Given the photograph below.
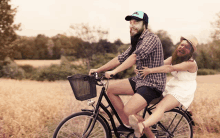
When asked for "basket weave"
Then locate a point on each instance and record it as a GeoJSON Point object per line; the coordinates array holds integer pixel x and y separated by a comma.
{"type": "Point", "coordinates": [83, 86]}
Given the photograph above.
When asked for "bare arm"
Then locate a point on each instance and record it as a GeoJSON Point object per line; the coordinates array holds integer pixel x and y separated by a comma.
{"type": "Point", "coordinates": [184, 66]}
{"type": "Point", "coordinates": [168, 61]}
{"type": "Point", "coordinates": [110, 65]}
{"type": "Point", "coordinates": [130, 61]}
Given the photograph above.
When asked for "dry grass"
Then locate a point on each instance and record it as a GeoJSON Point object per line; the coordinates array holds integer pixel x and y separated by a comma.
{"type": "Point", "coordinates": [206, 107]}
{"type": "Point", "coordinates": [31, 109]}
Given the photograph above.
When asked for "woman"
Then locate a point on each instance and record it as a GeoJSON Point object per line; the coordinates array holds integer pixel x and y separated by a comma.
{"type": "Point", "coordinates": [179, 90]}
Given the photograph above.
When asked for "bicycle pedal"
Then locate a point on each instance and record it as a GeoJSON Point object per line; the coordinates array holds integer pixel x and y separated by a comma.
{"type": "Point", "coordinates": [154, 131]}
{"type": "Point", "coordinates": [162, 134]}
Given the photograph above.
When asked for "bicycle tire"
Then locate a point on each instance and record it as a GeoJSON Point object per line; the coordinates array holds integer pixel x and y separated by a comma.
{"type": "Point", "coordinates": [176, 126]}
{"type": "Point", "coordinates": [74, 126]}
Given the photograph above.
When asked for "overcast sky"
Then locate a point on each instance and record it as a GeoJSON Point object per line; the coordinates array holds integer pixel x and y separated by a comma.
{"type": "Point", "coordinates": [177, 17]}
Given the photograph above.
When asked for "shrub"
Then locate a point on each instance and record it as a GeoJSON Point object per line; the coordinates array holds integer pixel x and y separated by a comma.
{"type": "Point", "coordinates": [29, 71]}
{"type": "Point", "coordinates": [206, 72]}
{"type": "Point", "coordinates": [11, 70]}
{"type": "Point", "coordinates": [54, 72]}
{"type": "Point", "coordinates": [27, 68]}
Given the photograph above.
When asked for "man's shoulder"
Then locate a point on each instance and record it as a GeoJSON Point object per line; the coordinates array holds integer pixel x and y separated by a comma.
{"type": "Point", "coordinates": [149, 34]}
{"type": "Point", "coordinates": [152, 36]}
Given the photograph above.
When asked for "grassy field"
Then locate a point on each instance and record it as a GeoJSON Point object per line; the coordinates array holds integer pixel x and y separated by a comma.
{"type": "Point", "coordinates": [31, 109]}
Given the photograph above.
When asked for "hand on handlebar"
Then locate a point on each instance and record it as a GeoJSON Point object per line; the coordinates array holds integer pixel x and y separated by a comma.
{"type": "Point", "coordinates": [93, 71]}
{"type": "Point", "coordinates": [109, 74]}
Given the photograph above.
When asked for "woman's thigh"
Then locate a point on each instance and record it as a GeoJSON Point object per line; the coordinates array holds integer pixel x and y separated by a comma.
{"type": "Point", "coordinates": [120, 87]}
{"type": "Point", "coordinates": [167, 103]}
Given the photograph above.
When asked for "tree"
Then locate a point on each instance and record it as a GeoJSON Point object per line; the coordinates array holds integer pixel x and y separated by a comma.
{"type": "Point", "coordinates": [88, 33]}
{"type": "Point", "coordinates": [216, 25]}
{"type": "Point", "coordinates": [90, 36]}
{"type": "Point", "coordinates": [41, 46]}
{"type": "Point", "coordinates": [7, 28]}
{"type": "Point", "coordinates": [50, 45]}
{"type": "Point", "coordinates": [103, 46]}
{"type": "Point", "coordinates": [118, 42]}
{"type": "Point", "coordinates": [215, 45]}
{"type": "Point", "coordinates": [24, 47]}
{"type": "Point", "coordinates": [167, 43]}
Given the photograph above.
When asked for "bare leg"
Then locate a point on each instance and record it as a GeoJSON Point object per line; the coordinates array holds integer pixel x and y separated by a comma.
{"type": "Point", "coordinates": [167, 103]}
{"type": "Point", "coordinates": [133, 109]}
{"type": "Point", "coordinates": [121, 87]}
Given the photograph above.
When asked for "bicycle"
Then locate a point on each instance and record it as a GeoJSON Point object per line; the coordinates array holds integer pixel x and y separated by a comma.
{"type": "Point", "coordinates": [91, 124]}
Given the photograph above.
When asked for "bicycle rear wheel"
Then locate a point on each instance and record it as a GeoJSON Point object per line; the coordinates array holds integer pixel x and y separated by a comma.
{"type": "Point", "coordinates": [77, 124]}
{"type": "Point", "coordinates": [174, 124]}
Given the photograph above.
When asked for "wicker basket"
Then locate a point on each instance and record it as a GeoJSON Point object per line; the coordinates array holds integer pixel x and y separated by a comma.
{"type": "Point", "coordinates": [83, 86]}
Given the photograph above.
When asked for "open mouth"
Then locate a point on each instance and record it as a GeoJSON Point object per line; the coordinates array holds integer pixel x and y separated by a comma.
{"type": "Point", "coordinates": [181, 51]}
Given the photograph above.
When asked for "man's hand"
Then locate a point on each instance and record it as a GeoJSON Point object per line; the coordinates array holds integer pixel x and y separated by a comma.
{"type": "Point", "coordinates": [109, 73]}
{"type": "Point", "coordinates": [93, 71]}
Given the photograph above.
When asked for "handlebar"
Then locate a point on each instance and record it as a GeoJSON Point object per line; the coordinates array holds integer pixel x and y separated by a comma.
{"type": "Point", "coordinates": [99, 79]}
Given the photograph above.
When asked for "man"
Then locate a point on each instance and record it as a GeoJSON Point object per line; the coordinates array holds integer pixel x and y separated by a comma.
{"type": "Point", "coordinates": [145, 50]}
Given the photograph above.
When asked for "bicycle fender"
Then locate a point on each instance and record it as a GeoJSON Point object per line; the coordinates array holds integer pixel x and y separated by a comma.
{"type": "Point", "coordinates": [190, 117]}
{"type": "Point", "coordinates": [188, 114]}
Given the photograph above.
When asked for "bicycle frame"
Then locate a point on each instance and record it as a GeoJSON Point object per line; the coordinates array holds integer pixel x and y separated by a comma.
{"type": "Point", "coordinates": [96, 113]}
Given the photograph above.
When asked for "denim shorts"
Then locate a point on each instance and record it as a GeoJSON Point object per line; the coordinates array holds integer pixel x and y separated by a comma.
{"type": "Point", "coordinates": [147, 92]}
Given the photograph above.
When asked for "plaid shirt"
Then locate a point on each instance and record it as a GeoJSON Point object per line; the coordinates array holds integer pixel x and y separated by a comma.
{"type": "Point", "coordinates": [149, 53]}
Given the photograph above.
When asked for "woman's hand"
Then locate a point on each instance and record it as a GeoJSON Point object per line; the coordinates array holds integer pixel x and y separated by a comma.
{"type": "Point", "coordinates": [144, 72]}
{"type": "Point", "coordinates": [109, 73]}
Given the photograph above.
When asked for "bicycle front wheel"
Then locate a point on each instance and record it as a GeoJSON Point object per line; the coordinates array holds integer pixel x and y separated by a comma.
{"type": "Point", "coordinates": [175, 124]}
{"type": "Point", "coordinates": [77, 124]}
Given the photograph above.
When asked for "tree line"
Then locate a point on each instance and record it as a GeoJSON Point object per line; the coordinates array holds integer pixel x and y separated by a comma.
{"type": "Point", "coordinates": [87, 43]}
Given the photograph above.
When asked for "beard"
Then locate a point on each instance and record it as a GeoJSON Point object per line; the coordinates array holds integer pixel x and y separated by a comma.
{"type": "Point", "coordinates": [134, 41]}
{"type": "Point", "coordinates": [176, 59]}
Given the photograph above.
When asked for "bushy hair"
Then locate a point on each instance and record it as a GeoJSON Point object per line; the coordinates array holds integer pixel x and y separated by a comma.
{"type": "Point", "coordinates": [146, 25]}
{"type": "Point", "coordinates": [177, 60]}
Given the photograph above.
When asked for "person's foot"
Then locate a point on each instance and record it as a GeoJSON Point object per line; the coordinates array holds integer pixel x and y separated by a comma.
{"type": "Point", "coordinates": [138, 127]}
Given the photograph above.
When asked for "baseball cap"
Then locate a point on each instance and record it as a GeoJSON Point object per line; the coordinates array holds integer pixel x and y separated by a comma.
{"type": "Point", "coordinates": [137, 15]}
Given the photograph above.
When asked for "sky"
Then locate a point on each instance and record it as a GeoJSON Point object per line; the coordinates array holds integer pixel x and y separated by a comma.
{"type": "Point", "coordinates": [178, 18]}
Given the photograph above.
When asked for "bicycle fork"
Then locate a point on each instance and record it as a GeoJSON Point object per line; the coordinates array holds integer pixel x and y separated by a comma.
{"type": "Point", "coordinates": [93, 118]}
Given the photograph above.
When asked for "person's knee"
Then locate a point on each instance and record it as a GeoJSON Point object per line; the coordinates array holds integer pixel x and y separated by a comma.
{"type": "Point", "coordinates": [128, 111]}
{"type": "Point", "coordinates": [112, 90]}
{"type": "Point", "coordinates": [109, 91]}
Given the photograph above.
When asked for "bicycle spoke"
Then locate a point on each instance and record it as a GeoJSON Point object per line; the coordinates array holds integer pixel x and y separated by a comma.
{"type": "Point", "coordinates": [176, 123]}
{"type": "Point", "coordinates": [80, 124]}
